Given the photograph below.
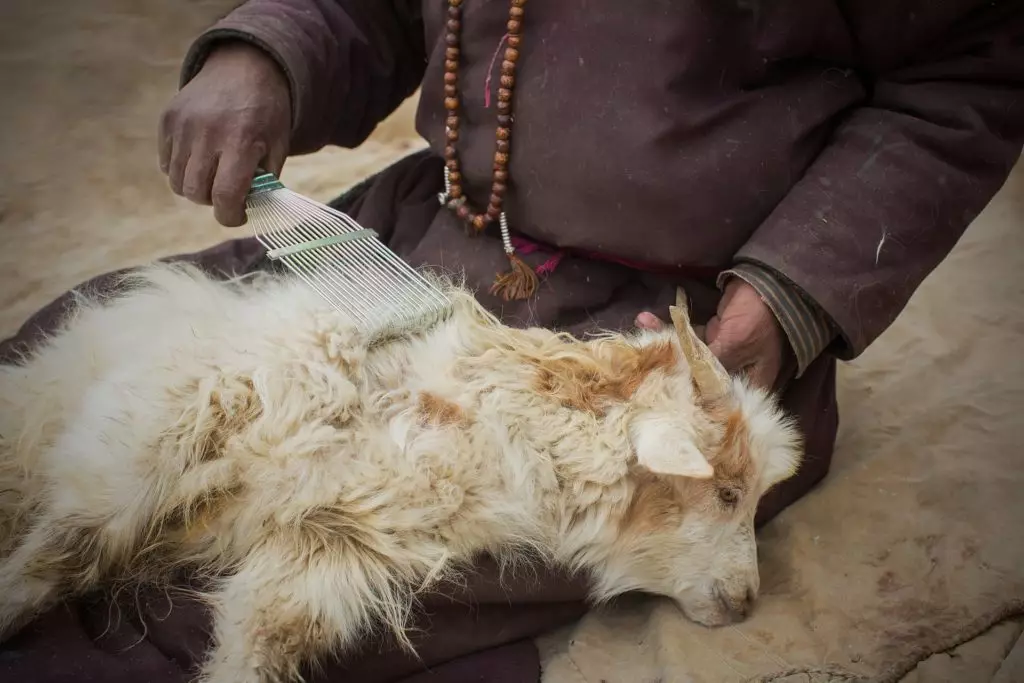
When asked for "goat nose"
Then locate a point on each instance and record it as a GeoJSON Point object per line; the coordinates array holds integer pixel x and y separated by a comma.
{"type": "Point", "coordinates": [747, 606]}
{"type": "Point", "coordinates": [737, 609]}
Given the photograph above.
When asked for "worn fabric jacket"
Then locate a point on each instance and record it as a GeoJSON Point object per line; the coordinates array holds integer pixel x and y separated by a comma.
{"type": "Point", "coordinates": [839, 147]}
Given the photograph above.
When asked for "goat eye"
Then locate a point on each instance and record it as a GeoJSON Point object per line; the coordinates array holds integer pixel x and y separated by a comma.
{"type": "Point", "coordinates": [729, 495]}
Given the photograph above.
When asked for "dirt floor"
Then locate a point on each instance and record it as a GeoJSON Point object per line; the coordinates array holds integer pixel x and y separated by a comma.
{"type": "Point", "coordinates": [930, 413]}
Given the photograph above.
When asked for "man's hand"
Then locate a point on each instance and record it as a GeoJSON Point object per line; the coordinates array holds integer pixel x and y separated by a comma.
{"type": "Point", "coordinates": [744, 335]}
{"type": "Point", "coordinates": [232, 117]}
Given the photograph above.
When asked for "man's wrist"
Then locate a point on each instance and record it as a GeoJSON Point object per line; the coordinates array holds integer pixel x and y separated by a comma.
{"type": "Point", "coordinates": [805, 326]}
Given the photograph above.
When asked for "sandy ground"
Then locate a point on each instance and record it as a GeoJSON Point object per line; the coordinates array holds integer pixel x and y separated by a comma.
{"type": "Point", "coordinates": [82, 85]}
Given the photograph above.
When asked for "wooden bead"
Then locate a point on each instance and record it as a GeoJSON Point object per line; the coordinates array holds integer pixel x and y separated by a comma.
{"type": "Point", "coordinates": [452, 134]}
{"type": "Point", "coordinates": [514, 26]}
{"type": "Point", "coordinates": [454, 8]}
{"type": "Point", "coordinates": [451, 103]}
{"type": "Point", "coordinates": [515, 3]}
{"type": "Point", "coordinates": [499, 189]}
{"type": "Point", "coordinates": [504, 106]}
{"type": "Point", "coordinates": [451, 90]}
{"type": "Point", "coordinates": [513, 41]}
{"type": "Point", "coordinates": [455, 192]}
{"type": "Point", "coordinates": [463, 211]}
{"type": "Point", "coordinates": [507, 80]}
{"type": "Point", "coordinates": [450, 152]}
{"type": "Point", "coordinates": [452, 122]}
{"type": "Point", "coordinates": [504, 120]}
{"type": "Point", "coordinates": [501, 175]}
{"type": "Point", "coordinates": [504, 95]}
{"type": "Point", "coordinates": [495, 200]}
{"type": "Point", "coordinates": [451, 78]}
{"type": "Point", "coordinates": [503, 133]}
{"type": "Point", "coordinates": [508, 67]}
{"type": "Point", "coordinates": [511, 54]}
{"type": "Point", "coordinates": [480, 222]}
{"type": "Point", "coordinates": [516, 12]}
{"type": "Point", "coordinates": [451, 39]}
{"type": "Point", "coordinates": [451, 65]}
{"type": "Point", "coordinates": [451, 53]}
{"type": "Point", "coordinates": [493, 212]}
{"type": "Point", "coordinates": [452, 164]}
{"type": "Point", "coordinates": [502, 146]}
{"type": "Point", "coordinates": [500, 158]}
{"type": "Point", "coordinates": [453, 26]}
{"type": "Point", "coordinates": [455, 177]}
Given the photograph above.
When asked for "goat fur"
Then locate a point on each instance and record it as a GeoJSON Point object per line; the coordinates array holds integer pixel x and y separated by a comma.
{"type": "Point", "coordinates": [241, 429]}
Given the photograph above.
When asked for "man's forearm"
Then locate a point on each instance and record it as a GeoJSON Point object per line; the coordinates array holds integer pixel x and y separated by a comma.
{"type": "Point", "coordinates": [349, 63]}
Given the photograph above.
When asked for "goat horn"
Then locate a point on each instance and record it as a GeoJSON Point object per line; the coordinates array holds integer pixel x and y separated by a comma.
{"type": "Point", "coordinates": [711, 378]}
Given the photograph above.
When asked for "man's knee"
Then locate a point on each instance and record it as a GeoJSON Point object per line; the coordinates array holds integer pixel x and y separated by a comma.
{"type": "Point", "coordinates": [812, 400]}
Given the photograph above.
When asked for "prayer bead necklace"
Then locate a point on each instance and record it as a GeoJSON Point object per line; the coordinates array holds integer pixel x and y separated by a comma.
{"type": "Point", "coordinates": [521, 281]}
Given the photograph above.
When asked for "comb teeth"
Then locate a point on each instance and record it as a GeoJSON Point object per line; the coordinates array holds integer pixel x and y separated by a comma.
{"type": "Point", "coordinates": [343, 262]}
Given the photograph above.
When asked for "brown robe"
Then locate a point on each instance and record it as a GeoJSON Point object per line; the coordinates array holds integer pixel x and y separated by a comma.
{"type": "Point", "coordinates": [687, 134]}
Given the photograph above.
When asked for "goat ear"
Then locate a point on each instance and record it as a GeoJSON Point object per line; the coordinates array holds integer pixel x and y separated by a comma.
{"type": "Point", "coordinates": [664, 448]}
{"type": "Point", "coordinates": [682, 460]}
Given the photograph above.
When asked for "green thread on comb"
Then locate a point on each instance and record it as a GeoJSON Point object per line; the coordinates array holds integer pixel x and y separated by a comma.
{"type": "Point", "coordinates": [317, 243]}
{"type": "Point", "coordinates": [266, 182]}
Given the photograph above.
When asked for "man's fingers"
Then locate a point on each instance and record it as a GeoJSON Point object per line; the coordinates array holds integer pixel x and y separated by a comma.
{"type": "Point", "coordinates": [197, 184]}
{"type": "Point", "coordinates": [712, 329]}
{"type": "Point", "coordinates": [276, 156]}
{"type": "Point", "coordinates": [165, 145]}
{"type": "Point", "coordinates": [760, 374]}
{"type": "Point", "coordinates": [176, 169]}
{"type": "Point", "coordinates": [733, 357]}
{"type": "Point", "coordinates": [649, 321]}
{"type": "Point", "coordinates": [234, 176]}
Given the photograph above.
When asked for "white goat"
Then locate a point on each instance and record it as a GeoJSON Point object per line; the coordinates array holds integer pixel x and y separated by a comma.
{"type": "Point", "coordinates": [244, 431]}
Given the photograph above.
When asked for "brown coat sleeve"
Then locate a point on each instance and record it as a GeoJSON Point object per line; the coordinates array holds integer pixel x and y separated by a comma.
{"type": "Point", "coordinates": [350, 63]}
{"type": "Point", "coordinates": [903, 177]}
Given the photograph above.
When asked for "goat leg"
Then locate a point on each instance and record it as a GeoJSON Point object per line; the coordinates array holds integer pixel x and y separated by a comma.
{"type": "Point", "coordinates": [287, 606]}
{"type": "Point", "coordinates": [31, 577]}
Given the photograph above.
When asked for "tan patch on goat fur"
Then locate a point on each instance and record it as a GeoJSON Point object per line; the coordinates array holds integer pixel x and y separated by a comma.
{"type": "Point", "coordinates": [656, 504]}
{"type": "Point", "coordinates": [732, 459]}
{"type": "Point", "coordinates": [437, 411]}
{"type": "Point", "coordinates": [192, 522]}
{"type": "Point", "coordinates": [588, 381]}
{"type": "Point", "coordinates": [203, 429]}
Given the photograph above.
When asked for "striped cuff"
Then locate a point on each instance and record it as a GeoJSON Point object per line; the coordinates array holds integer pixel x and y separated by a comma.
{"type": "Point", "coordinates": [808, 329]}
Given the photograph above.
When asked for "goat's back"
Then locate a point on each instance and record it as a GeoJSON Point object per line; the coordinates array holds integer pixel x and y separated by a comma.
{"type": "Point", "coordinates": [121, 370]}
{"type": "Point", "coordinates": [224, 409]}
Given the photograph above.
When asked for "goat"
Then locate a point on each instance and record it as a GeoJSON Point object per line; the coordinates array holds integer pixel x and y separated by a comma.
{"type": "Point", "coordinates": [243, 430]}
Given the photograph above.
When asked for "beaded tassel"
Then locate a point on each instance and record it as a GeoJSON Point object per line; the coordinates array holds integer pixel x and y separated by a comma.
{"type": "Point", "coordinates": [521, 281]}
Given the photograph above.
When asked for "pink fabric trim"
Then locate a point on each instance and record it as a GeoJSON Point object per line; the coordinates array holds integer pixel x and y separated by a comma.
{"type": "Point", "coordinates": [549, 266]}
{"type": "Point", "coordinates": [525, 247]}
